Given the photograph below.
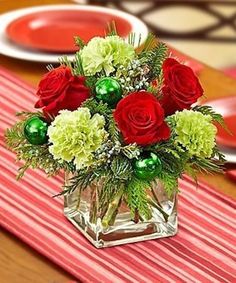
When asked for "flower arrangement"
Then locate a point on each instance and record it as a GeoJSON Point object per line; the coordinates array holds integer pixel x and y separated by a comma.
{"type": "Point", "coordinates": [121, 118]}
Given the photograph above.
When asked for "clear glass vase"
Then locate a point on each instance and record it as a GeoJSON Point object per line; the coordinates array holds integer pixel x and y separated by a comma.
{"type": "Point", "coordinates": [82, 209]}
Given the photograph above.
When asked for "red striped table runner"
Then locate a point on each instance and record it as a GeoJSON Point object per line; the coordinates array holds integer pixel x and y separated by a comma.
{"type": "Point", "coordinates": [203, 250]}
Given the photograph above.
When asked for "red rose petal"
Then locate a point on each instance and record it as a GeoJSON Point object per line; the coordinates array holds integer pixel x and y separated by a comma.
{"type": "Point", "coordinates": [181, 87]}
{"type": "Point", "coordinates": [140, 118]}
{"type": "Point", "coordinates": [59, 89]}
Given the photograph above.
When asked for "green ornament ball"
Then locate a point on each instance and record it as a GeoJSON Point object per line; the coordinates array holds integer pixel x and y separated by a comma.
{"type": "Point", "coordinates": [148, 166]}
{"type": "Point", "coordinates": [108, 90]}
{"type": "Point", "coordinates": [35, 131]}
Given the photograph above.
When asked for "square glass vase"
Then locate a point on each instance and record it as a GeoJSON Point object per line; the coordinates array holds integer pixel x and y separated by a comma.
{"type": "Point", "coordinates": [114, 224]}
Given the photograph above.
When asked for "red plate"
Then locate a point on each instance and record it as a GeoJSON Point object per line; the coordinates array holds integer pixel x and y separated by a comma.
{"type": "Point", "coordinates": [53, 31]}
{"type": "Point", "coordinates": [226, 107]}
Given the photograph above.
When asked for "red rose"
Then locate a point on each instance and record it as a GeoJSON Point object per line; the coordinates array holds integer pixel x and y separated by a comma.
{"type": "Point", "coordinates": [181, 87]}
{"type": "Point", "coordinates": [140, 118]}
{"type": "Point", "coordinates": [59, 89]}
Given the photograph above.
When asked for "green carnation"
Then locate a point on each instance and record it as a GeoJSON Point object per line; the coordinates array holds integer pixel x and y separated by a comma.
{"type": "Point", "coordinates": [105, 54]}
{"type": "Point", "coordinates": [195, 132]}
{"type": "Point", "coordinates": [76, 135]}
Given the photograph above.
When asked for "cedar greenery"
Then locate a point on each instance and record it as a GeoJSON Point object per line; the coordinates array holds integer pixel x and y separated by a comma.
{"type": "Point", "coordinates": [137, 197]}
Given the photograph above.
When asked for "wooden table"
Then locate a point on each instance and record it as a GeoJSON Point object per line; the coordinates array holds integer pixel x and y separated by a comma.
{"type": "Point", "coordinates": [18, 262]}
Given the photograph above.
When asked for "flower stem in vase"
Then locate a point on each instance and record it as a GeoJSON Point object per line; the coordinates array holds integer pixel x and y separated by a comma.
{"type": "Point", "coordinates": [78, 199]}
{"type": "Point", "coordinates": [112, 207]}
{"type": "Point", "coordinates": [155, 197]}
{"type": "Point", "coordinates": [152, 203]}
{"type": "Point", "coordinates": [93, 204]}
{"type": "Point", "coordinates": [136, 216]}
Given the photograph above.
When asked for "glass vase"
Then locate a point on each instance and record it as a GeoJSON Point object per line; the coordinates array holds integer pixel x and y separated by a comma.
{"type": "Point", "coordinates": [115, 224]}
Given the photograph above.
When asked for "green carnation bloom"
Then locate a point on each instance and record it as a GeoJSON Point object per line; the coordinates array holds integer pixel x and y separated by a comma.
{"type": "Point", "coordinates": [106, 54]}
{"type": "Point", "coordinates": [195, 132]}
{"type": "Point", "coordinates": [76, 135]}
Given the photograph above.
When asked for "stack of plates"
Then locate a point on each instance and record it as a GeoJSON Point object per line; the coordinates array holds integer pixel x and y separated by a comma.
{"type": "Point", "coordinates": [44, 33]}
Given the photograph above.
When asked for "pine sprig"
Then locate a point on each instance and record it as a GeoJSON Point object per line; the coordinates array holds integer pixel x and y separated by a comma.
{"type": "Point", "coordinates": [90, 82]}
{"type": "Point", "coordinates": [172, 165]}
{"type": "Point", "coordinates": [206, 165]}
{"type": "Point", "coordinates": [111, 29]}
{"type": "Point", "coordinates": [149, 44]}
{"type": "Point", "coordinates": [218, 155]}
{"type": "Point", "coordinates": [79, 42]}
{"type": "Point", "coordinates": [136, 194]}
{"type": "Point", "coordinates": [208, 110]}
{"type": "Point", "coordinates": [77, 66]}
{"type": "Point", "coordinates": [83, 179]}
{"type": "Point", "coordinates": [154, 58]}
{"type": "Point", "coordinates": [160, 55]}
{"type": "Point", "coordinates": [65, 61]}
{"type": "Point", "coordinates": [132, 39]}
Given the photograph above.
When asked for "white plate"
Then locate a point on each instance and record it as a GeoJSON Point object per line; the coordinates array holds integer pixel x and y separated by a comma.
{"type": "Point", "coordinates": [10, 49]}
{"type": "Point", "coordinates": [230, 155]}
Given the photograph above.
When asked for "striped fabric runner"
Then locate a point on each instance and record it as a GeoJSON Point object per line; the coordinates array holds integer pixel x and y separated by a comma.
{"type": "Point", "coordinates": [203, 250]}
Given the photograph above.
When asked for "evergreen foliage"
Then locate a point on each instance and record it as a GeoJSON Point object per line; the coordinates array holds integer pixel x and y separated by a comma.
{"type": "Point", "coordinates": [208, 110]}
{"type": "Point", "coordinates": [136, 193]}
{"type": "Point", "coordinates": [79, 42]}
{"type": "Point", "coordinates": [97, 107]}
{"type": "Point", "coordinates": [121, 168]}
{"type": "Point", "coordinates": [154, 58]}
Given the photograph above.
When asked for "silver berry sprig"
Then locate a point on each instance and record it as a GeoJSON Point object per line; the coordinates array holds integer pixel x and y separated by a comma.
{"type": "Point", "coordinates": [106, 152]}
{"type": "Point", "coordinates": [133, 77]}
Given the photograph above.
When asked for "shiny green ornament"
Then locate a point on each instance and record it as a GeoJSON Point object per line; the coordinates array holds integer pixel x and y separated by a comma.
{"type": "Point", "coordinates": [108, 90]}
{"type": "Point", "coordinates": [148, 166]}
{"type": "Point", "coordinates": [35, 131]}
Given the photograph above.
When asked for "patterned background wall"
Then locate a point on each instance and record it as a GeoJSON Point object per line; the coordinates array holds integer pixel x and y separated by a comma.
{"type": "Point", "coordinates": [207, 28]}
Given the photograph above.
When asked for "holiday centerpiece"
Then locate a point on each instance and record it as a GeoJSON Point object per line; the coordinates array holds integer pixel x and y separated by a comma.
{"type": "Point", "coordinates": [121, 124]}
